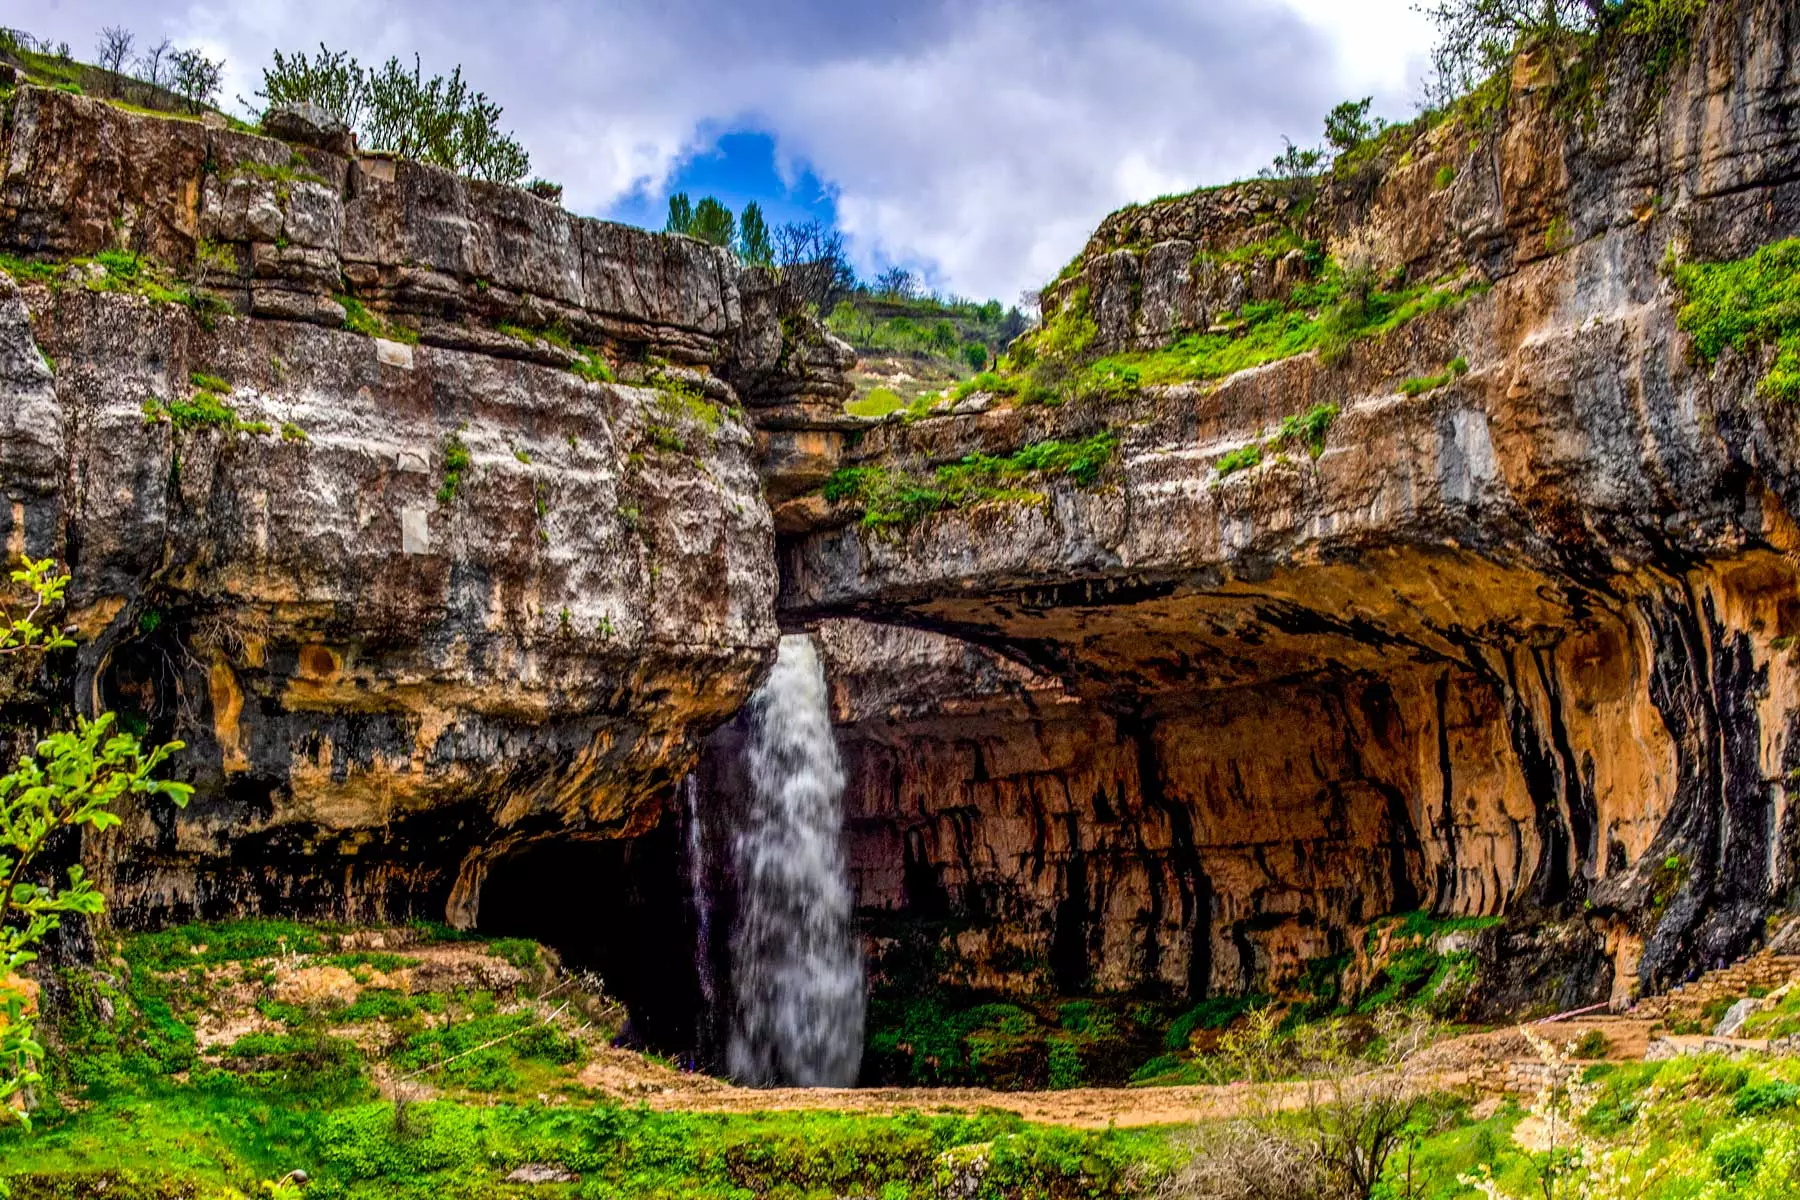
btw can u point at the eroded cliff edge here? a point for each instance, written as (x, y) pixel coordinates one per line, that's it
(426, 513)
(1511, 637)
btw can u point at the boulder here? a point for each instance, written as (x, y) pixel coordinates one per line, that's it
(310, 125)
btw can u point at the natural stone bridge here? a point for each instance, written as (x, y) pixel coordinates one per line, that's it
(510, 505)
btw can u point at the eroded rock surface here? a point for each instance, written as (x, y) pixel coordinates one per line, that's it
(412, 600)
(1518, 644)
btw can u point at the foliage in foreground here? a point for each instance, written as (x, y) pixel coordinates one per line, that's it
(70, 781)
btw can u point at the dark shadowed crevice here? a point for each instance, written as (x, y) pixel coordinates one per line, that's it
(617, 908)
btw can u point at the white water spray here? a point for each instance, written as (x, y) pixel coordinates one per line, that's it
(700, 894)
(796, 966)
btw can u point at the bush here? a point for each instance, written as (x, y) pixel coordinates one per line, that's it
(1746, 303)
(1593, 1044)
(1758, 1099)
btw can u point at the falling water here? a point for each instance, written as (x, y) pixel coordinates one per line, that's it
(796, 968)
(700, 893)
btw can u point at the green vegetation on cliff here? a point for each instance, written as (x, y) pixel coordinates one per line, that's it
(1327, 315)
(892, 498)
(1745, 305)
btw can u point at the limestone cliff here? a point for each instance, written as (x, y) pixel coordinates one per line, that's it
(334, 452)
(1515, 641)
(445, 526)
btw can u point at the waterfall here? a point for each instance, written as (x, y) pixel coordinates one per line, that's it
(796, 965)
(700, 895)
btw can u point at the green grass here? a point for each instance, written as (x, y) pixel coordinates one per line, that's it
(879, 402)
(1297, 431)
(1744, 305)
(592, 366)
(206, 409)
(1327, 316)
(1418, 385)
(457, 463)
(359, 318)
(232, 1132)
(118, 272)
(894, 499)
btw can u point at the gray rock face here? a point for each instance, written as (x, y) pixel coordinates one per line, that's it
(420, 600)
(1735, 1016)
(309, 125)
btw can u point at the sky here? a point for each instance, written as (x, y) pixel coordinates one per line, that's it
(977, 142)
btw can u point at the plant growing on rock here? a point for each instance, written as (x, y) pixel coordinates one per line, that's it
(70, 780)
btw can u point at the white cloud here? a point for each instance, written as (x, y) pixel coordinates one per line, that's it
(981, 139)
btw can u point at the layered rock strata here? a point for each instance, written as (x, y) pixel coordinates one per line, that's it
(1515, 644)
(415, 599)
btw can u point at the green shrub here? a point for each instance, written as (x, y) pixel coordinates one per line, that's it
(1758, 1099)
(1736, 1156)
(1593, 1044)
(457, 461)
(1214, 1012)
(894, 499)
(1241, 459)
(1750, 302)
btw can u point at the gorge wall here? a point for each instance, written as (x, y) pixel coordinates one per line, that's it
(333, 449)
(1516, 642)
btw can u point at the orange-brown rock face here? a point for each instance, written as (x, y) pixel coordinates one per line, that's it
(1516, 645)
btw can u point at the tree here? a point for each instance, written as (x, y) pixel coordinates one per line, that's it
(153, 64)
(1353, 1110)
(114, 48)
(440, 120)
(897, 283)
(713, 223)
(976, 355)
(814, 266)
(195, 77)
(1295, 171)
(755, 246)
(1476, 38)
(71, 780)
(681, 214)
(1348, 125)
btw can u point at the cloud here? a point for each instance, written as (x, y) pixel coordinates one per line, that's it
(979, 139)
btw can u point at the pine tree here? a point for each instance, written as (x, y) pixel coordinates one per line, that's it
(755, 246)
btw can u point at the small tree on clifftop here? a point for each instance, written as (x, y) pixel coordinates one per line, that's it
(440, 120)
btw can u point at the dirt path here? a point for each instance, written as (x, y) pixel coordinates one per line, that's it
(1447, 1065)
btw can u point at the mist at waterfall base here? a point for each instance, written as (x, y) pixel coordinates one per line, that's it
(795, 988)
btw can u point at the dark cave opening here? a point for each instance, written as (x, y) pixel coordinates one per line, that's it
(619, 908)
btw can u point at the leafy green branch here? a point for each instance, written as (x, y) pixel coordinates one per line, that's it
(72, 779)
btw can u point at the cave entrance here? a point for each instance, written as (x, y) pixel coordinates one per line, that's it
(619, 908)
